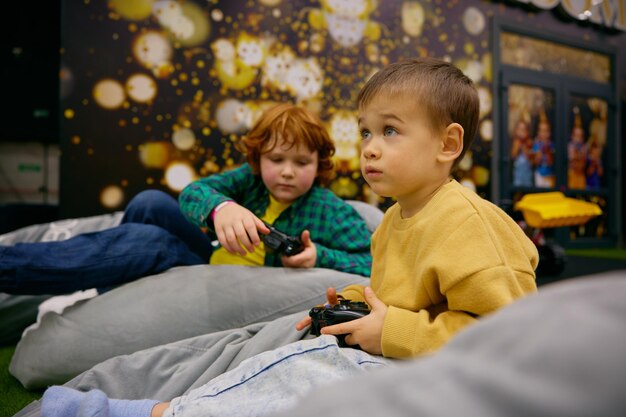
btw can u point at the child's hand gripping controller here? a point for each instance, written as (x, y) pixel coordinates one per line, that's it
(327, 315)
(280, 242)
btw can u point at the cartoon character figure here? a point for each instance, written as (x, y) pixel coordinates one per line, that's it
(236, 116)
(595, 168)
(347, 21)
(598, 125)
(576, 155)
(344, 187)
(304, 79)
(343, 128)
(521, 149)
(237, 64)
(413, 18)
(284, 71)
(276, 66)
(543, 153)
(250, 50)
(232, 116)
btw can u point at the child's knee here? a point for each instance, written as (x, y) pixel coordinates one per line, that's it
(149, 203)
(151, 198)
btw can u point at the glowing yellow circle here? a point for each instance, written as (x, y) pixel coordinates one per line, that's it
(184, 139)
(109, 93)
(111, 197)
(481, 175)
(154, 154)
(132, 9)
(152, 49)
(178, 175)
(141, 88)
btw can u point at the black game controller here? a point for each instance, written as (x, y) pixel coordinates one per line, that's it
(277, 241)
(327, 315)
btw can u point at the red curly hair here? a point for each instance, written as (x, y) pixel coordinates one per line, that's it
(296, 126)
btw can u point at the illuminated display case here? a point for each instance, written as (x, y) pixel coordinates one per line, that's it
(557, 127)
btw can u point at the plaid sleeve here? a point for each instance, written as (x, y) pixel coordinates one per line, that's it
(200, 197)
(341, 236)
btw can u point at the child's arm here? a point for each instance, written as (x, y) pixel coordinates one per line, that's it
(199, 198)
(352, 261)
(237, 228)
(408, 333)
(340, 234)
(359, 262)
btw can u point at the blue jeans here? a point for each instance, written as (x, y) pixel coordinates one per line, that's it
(152, 237)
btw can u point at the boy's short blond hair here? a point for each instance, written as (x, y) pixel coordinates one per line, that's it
(446, 94)
(296, 126)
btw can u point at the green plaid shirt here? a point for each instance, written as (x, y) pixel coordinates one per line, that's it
(338, 231)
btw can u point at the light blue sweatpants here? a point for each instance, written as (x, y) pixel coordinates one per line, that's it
(275, 380)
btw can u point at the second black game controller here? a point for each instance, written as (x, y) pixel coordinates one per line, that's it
(327, 315)
(277, 241)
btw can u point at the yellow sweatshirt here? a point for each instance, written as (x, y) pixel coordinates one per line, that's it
(460, 257)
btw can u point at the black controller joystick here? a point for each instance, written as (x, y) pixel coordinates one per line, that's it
(277, 241)
(327, 315)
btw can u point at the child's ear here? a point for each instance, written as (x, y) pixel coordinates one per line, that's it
(452, 143)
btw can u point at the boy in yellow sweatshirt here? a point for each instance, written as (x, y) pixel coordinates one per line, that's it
(442, 257)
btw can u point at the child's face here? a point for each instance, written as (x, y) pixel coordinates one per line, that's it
(578, 135)
(543, 131)
(288, 173)
(521, 130)
(399, 150)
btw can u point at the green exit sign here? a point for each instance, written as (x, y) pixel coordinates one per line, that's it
(29, 167)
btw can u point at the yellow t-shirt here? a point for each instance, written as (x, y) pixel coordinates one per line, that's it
(257, 258)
